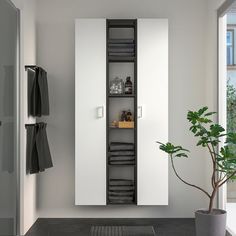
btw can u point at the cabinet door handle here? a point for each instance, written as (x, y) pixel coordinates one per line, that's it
(140, 112)
(100, 112)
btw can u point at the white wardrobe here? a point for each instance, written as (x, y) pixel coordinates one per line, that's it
(95, 109)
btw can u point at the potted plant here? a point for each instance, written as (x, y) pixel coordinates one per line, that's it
(209, 222)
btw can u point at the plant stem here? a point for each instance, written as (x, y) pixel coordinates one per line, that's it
(212, 199)
(213, 181)
(215, 165)
(192, 185)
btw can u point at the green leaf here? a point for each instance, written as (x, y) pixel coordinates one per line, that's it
(181, 155)
(199, 143)
(192, 117)
(210, 113)
(193, 129)
(171, 149)
(231, 138)
(233, 178)
(204, 120)
(202, 110)
(216, 130)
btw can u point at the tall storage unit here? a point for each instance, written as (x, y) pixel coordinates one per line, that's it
(138, 172)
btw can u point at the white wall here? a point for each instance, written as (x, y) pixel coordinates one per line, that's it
(211, 65)
(187, 90)
(27, 57)
(211, 49)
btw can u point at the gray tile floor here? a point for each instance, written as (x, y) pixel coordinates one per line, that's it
(81, 227)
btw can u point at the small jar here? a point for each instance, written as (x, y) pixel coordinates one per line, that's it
(116, 86)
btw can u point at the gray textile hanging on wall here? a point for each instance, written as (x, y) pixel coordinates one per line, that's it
(38, 154)
(38, 98)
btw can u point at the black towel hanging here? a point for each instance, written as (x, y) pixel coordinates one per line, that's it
(32, 163)
(45, 160)
(38, 153)
(38, 97)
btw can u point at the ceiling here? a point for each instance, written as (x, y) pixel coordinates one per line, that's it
(233, 8)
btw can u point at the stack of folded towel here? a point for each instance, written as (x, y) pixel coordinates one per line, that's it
(121, 153)
(121, 47)
(121, 191)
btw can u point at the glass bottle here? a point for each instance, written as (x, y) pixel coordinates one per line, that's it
(129, 116)
(123, 116)
(128, 86)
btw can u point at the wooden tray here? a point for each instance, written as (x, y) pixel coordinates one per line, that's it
(125, 124)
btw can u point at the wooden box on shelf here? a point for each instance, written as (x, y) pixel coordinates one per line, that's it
(126, 124)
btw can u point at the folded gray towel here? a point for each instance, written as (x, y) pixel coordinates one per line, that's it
(121, 143)
(119, 182)
(122, 162)
(121, 188)
(121, 198)
(122, 191)
(111, 49)
(121, 158)
(123, 194)
(120, 41)
(121, 45)
(121, 54)
(121, 153)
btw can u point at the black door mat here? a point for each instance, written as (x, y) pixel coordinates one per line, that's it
(122, 231)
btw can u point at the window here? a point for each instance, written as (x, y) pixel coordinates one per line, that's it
(230, 47)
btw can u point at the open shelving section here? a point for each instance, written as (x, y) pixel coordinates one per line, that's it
(121, 145)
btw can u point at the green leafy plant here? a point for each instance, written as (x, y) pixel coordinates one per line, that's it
(209, 136)
(231, 110)
(231, 107)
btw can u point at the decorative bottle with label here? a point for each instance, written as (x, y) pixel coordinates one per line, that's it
(128, 86)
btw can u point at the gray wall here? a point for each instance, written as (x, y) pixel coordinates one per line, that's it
(188, 32)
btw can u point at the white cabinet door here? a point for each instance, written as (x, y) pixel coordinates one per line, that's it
(90, 111)
(152, 111)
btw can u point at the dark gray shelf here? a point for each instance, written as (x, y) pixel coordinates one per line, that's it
(121, 203)
(116, 128)
(121, 23)
(121, 95)
(121, 165)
